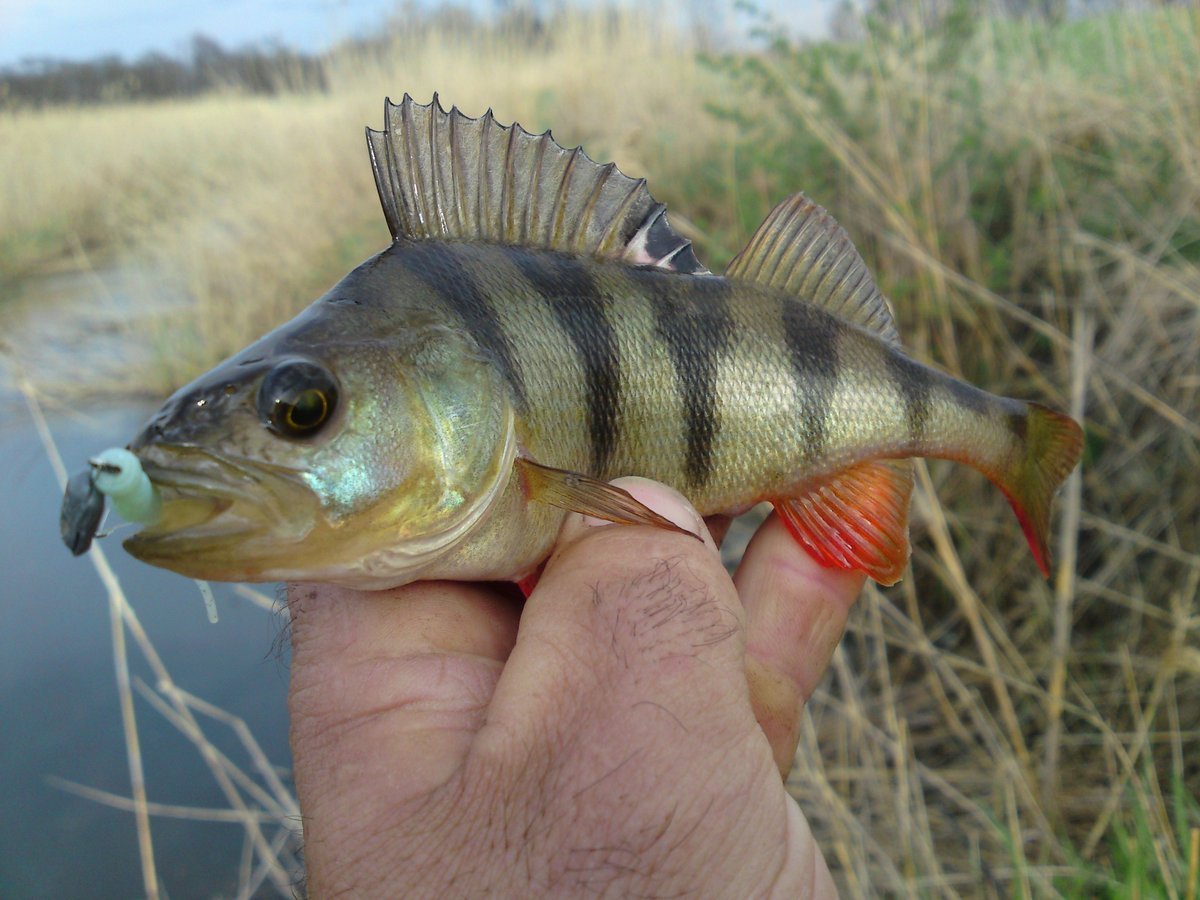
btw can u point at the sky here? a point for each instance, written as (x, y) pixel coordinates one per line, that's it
(83, 29)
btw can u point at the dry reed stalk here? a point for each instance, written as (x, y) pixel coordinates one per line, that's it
(116, 604)
(1064, 581)
(122, 616)
(231, 770)
(1131, 754)
(167, 810)
(211, 756)
(262, 872)
(1193, 875)
(283, 797)
(970, 606)
(257, 597)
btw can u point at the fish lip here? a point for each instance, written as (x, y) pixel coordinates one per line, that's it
(167, 462)
(252, 492)
(195, 472)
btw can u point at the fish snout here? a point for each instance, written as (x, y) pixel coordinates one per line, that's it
(193, 415)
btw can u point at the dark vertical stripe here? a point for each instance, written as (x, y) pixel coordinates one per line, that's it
(446, 271)
(916, 384)
(811, 337)
(580, 308)
(1018, 424)
(691, 316)
(967, 395)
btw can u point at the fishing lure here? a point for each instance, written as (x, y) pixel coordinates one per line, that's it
(117, 474)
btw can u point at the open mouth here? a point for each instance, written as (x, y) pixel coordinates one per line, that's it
(210, 500)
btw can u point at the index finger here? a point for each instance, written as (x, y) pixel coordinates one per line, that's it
(796, 611)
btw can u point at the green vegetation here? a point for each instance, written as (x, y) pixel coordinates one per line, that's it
(1028, 195)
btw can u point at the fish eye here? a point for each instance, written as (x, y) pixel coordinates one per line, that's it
(297, 397)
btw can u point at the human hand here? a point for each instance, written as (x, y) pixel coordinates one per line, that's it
(608, 746)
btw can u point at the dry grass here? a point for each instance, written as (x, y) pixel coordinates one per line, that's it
(1035, 219)
(1027, 196)
(250, 208)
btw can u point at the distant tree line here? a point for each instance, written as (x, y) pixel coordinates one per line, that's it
(267, 69)
(849, 15)
(258, 69)
(274, 68)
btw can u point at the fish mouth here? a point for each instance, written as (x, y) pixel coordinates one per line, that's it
(218, 509)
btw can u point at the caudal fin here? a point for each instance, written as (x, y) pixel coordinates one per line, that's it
(1052, 445)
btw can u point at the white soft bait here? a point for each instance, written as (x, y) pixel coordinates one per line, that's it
(116, 473)
(119, 474)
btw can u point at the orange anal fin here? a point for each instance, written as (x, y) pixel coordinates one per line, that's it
(529, 582)
(581, 493)
(856, 518)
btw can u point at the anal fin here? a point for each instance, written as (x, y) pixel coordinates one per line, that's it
(581, 493)
(856, 518)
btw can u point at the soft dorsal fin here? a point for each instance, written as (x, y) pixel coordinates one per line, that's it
(445, 175)
(801, 250)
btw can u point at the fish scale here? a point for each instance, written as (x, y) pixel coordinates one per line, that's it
(535, 329)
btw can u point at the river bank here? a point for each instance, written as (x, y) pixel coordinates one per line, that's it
(59, 701)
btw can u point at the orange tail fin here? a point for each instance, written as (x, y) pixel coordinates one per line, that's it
(1053, 443)
(858, 518)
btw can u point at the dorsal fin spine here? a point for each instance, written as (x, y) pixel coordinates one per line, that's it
(387, 178)
(382, 173)
(670, 256)
(459, 166)
(457, 178)
(770, 260)
(794, 253)
(564, 190)
(439, 215)
(510, 177)
(589, 205)
(531, 221)
(436, 171)
(414, 178)
(769, 257)
(808, 235)
(612, 234)
(451, 176)
(774, 260)
(497, 225)
(482, 200)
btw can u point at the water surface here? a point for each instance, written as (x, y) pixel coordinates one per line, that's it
(58, 696)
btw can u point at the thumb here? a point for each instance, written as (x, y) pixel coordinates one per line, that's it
(633, 630)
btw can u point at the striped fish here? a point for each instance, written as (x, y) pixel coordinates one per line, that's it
(537, 328)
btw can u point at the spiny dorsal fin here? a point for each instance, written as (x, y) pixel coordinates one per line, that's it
(445, 175)
(801, 250)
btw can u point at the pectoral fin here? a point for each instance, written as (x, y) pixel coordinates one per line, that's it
(590, 496)
(856, 518)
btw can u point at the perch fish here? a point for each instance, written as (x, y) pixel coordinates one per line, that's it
(535, 329)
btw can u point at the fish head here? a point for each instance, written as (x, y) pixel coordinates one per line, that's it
(329, 450)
